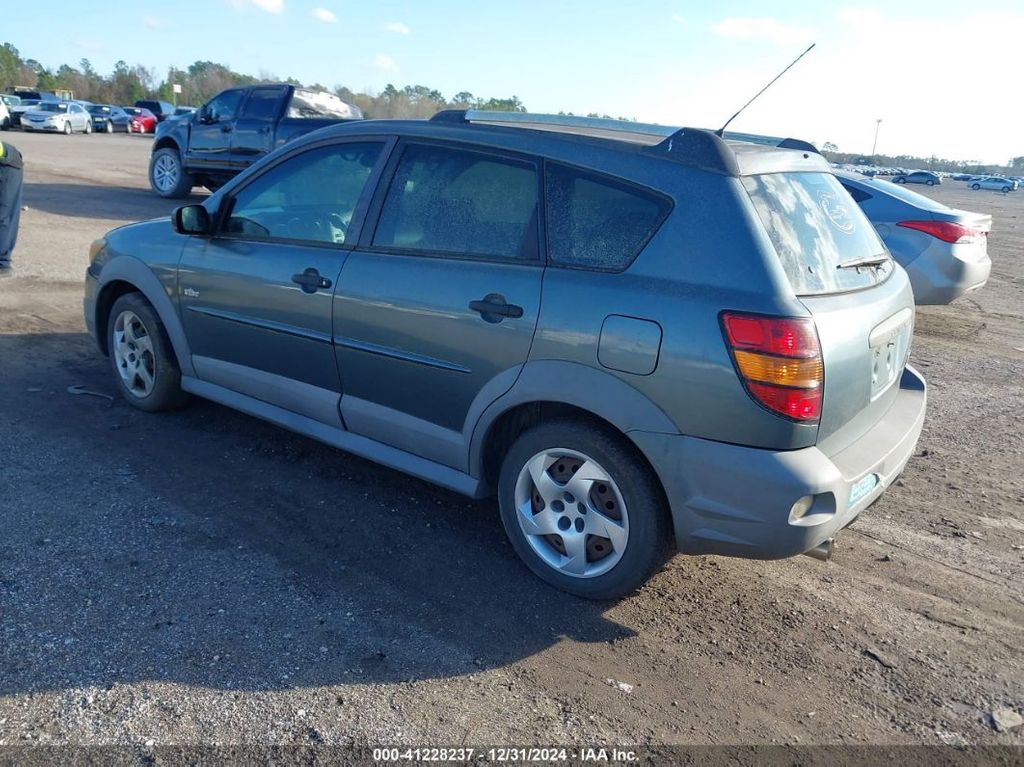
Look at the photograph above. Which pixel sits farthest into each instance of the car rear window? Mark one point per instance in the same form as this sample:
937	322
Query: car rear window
594	222
815	227
908	195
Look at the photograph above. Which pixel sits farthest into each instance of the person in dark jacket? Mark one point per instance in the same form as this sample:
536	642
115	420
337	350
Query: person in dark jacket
10	203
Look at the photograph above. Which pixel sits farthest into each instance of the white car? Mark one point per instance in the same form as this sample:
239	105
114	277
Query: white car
57	117
993	182
5	116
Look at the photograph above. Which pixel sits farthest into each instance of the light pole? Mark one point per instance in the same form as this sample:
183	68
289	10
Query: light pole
878	124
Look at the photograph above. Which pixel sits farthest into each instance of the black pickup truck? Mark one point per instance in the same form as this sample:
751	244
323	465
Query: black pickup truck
233	130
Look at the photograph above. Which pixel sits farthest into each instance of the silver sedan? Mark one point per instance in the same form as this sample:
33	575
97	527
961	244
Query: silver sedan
57	117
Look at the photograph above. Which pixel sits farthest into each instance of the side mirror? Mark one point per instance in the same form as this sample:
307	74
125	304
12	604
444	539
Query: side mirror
204	116
191	219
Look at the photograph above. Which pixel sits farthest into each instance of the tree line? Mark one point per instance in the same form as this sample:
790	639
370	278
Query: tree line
203	80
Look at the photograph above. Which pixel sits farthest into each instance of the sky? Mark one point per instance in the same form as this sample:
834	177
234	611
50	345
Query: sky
943	77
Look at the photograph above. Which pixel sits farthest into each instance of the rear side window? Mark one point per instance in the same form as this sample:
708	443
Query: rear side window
262	103
462	202
815	228
594	222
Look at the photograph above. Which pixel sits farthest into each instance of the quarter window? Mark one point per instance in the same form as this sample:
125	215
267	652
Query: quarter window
448	200
597	223
310	197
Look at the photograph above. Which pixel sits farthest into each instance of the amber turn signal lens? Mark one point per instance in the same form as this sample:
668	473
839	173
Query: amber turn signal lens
780	371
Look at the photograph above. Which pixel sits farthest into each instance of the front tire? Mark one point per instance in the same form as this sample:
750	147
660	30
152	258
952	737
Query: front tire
167	175
110	127
975	187
143	361
582	509
67	128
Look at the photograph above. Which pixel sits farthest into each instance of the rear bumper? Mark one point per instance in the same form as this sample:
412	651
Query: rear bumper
939	275
737	501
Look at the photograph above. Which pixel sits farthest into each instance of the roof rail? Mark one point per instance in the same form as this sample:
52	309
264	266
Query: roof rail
781	143
601	127
696	147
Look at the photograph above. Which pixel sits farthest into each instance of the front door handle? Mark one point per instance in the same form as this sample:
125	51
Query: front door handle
311	280
494	308
226	128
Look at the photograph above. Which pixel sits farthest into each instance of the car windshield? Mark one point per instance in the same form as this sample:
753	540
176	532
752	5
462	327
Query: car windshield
50	106
98	109
816	227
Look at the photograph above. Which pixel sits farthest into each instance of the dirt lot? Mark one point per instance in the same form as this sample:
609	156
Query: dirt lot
205	577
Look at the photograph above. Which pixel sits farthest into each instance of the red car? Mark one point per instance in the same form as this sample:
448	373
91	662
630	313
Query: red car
141	120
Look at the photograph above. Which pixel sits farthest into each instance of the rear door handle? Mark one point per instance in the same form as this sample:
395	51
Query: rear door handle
311	280
494	308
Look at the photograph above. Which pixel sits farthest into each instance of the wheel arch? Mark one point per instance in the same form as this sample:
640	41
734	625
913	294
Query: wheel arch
165	142
126	274
551	389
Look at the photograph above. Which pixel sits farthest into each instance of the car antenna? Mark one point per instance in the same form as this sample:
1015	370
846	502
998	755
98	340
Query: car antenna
721	130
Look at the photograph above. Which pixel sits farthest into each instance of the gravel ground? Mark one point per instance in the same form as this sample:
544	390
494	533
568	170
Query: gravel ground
202	577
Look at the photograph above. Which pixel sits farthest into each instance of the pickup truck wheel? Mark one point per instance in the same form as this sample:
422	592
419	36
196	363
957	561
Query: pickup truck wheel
145	367
582	509
167	176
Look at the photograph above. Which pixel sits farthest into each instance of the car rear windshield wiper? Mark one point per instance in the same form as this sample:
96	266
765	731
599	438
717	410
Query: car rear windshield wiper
857	263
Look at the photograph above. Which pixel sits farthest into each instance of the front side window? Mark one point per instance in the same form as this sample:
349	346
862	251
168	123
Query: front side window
224	107
595	222
449	200
310	197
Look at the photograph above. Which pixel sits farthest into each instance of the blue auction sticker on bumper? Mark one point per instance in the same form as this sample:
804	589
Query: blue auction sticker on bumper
861	488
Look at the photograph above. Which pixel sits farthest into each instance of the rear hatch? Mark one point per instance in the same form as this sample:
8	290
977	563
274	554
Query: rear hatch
861	302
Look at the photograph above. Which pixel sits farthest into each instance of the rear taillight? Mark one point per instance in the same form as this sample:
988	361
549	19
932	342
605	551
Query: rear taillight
779	361
947	231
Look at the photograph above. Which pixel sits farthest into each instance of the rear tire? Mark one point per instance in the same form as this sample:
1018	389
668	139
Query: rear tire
1006	189
141	355
899	180
582	509
88	127
929	182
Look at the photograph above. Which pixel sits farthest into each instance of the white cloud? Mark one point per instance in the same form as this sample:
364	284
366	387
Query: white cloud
235	5
324	15
270	6
768	29
678	18
398	28
384	63
155	22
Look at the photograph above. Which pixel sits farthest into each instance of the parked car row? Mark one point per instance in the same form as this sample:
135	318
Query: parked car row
74	116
